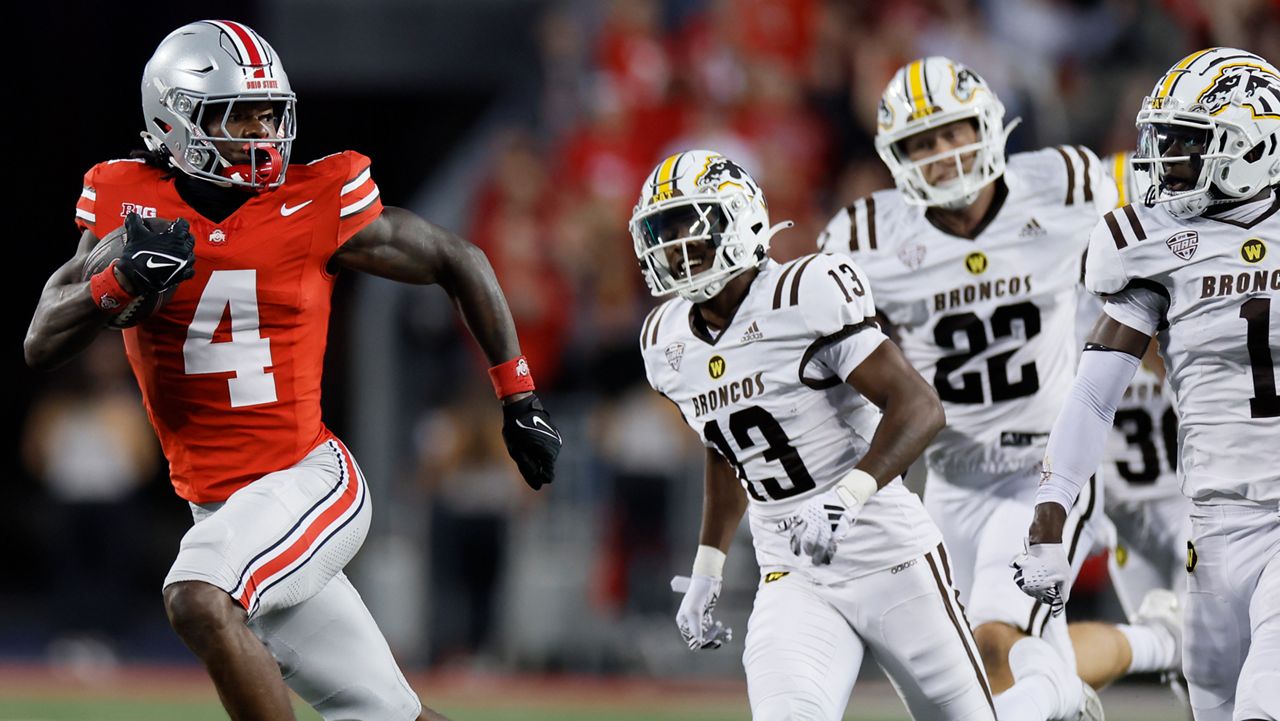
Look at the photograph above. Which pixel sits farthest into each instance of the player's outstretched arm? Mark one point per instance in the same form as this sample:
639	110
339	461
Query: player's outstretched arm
913	415
723	503
401	246
1111	357
1079	434
66	319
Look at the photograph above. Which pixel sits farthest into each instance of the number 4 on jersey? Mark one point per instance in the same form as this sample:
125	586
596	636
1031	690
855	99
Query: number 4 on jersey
247	354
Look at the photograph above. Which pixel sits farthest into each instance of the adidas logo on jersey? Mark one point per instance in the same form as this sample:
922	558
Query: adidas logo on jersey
1032	229
753	333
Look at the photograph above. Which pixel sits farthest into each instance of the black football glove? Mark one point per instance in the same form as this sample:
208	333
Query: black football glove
155	260
532	440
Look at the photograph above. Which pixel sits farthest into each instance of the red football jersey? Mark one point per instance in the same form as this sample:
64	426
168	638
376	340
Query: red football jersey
230	367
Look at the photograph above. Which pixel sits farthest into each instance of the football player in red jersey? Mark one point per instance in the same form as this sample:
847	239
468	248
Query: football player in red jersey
230	367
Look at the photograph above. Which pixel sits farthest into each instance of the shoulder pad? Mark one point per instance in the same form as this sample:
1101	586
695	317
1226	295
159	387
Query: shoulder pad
830	290
859	228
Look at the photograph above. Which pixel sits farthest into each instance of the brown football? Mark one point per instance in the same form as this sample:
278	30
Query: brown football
111	248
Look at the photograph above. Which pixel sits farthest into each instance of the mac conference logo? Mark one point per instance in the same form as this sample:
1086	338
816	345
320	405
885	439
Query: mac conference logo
715	366
1253	250
976	262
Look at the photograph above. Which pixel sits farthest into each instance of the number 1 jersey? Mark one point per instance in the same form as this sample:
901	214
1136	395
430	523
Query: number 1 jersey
769	395
1216	287
230	367
988	320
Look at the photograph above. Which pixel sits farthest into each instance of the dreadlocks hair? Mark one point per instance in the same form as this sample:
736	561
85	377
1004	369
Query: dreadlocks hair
158	158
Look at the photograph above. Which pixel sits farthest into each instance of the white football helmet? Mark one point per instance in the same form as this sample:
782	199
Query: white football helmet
195	76
929	93
699	196
1209	131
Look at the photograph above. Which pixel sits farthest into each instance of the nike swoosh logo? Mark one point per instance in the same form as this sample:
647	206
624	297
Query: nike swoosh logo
539	422
286	211
151	263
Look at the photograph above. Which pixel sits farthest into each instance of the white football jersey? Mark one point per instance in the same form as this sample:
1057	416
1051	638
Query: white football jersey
1219	336
769	394
990	321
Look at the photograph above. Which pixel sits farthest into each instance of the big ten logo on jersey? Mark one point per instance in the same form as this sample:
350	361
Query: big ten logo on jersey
716	366
143	211
728	394
1253	250
976	262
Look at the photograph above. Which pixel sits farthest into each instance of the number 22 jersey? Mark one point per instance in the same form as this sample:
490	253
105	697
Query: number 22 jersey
769	395
230	367
989	321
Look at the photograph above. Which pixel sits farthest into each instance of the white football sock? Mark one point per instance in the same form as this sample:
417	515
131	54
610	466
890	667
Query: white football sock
1153	648
1026	700
1044	688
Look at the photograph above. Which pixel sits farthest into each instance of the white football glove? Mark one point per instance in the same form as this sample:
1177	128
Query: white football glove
824	520
698	629
1042	572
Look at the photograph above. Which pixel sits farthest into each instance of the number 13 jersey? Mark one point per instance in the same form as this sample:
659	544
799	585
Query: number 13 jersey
769	395
989	321
230	367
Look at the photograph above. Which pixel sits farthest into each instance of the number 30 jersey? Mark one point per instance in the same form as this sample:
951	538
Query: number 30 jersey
990	320
230	367
769	395
1216	287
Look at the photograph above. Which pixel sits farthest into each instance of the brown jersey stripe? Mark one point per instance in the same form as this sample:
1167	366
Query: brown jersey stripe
871	223
853	226
782	280
644	331
795	283
657	321
1071	177
1114	227
955	622
1138	232
1088	181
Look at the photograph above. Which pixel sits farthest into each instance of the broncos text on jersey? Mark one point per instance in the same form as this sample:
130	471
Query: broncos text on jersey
1219	281
988	320
769	394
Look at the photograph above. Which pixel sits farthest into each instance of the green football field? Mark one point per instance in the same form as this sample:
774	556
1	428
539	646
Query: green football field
163	694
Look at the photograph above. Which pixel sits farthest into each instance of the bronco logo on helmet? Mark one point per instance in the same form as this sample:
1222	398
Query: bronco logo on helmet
1256	81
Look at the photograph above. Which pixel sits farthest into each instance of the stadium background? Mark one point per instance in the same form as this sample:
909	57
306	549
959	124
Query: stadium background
526	126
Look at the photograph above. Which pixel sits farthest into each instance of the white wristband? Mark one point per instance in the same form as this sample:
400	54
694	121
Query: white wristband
856	487
708	561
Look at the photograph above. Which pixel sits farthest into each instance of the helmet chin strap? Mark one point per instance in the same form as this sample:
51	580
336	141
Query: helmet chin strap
264	172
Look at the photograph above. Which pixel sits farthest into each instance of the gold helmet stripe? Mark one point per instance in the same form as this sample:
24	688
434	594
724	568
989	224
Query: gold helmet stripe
663	182
1176	71
919	95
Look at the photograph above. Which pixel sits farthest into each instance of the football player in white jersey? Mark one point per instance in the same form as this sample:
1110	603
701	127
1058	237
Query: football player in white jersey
1193	265
1143	499
976	264
778	369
